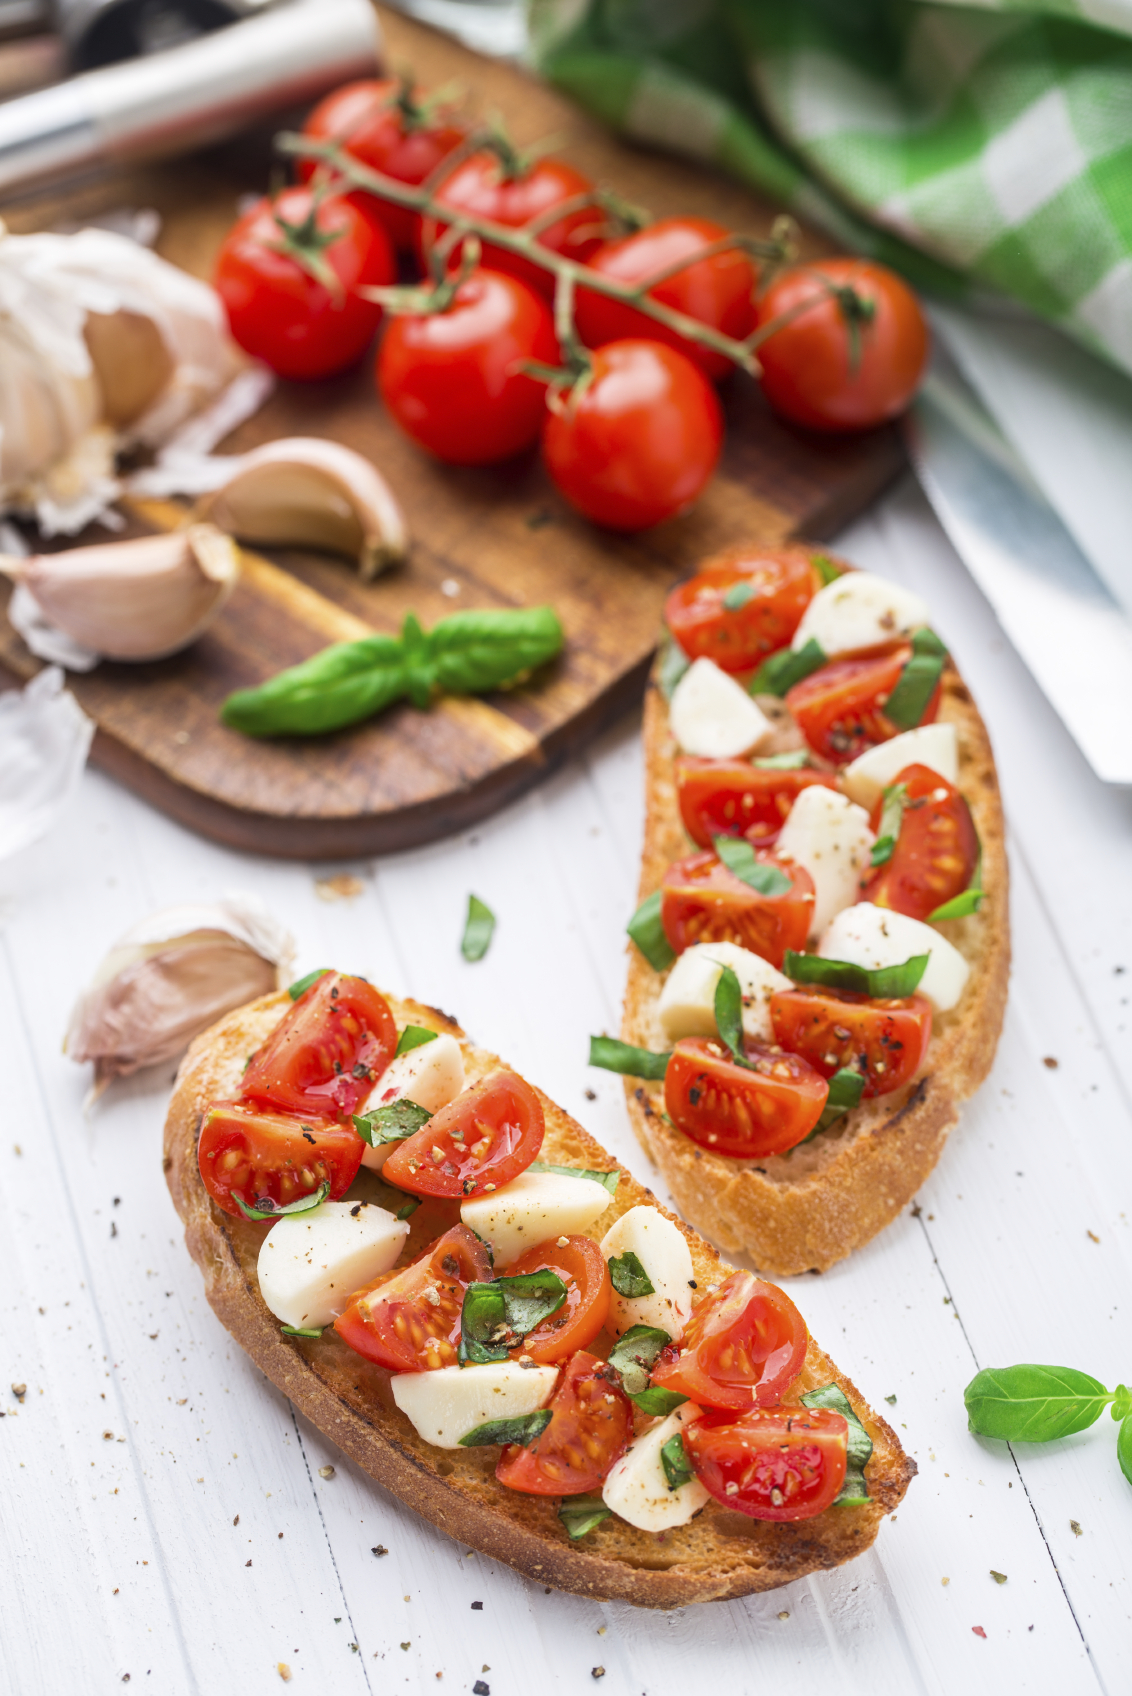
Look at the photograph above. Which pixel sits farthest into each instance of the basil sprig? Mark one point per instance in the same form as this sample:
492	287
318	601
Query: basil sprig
860	1444
479	927
614	1056
303	984
413	1036
739	857
796	760
629	1277
524	1428
392	1123
908	702
635	1353
265	1208
968	901
496	1316
882	983
647	932
1036	1404
893	801
789	666
672	663
609	1180
580	1514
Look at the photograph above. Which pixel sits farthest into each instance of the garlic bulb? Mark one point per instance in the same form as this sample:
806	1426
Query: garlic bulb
170	977
306	491
137	600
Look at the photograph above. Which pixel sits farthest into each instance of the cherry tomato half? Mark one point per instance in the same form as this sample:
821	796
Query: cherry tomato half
590	1427
743	1347
478	1143
582	1267
743	1112
886	1041
735	798
840	708
326	1055
394	1323
702	900
936	852
779	1463
508	191
768	591
248	1152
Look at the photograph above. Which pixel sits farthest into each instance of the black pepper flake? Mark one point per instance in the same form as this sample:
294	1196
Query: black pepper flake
477	1607
379	1550
236	1521
247	1563
479	1688
114	1233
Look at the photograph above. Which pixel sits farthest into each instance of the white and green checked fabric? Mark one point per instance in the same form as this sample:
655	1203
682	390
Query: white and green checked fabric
985	147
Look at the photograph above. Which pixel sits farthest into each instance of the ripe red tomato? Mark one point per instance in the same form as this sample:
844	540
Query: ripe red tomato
780	1463
452	379
248	1152
718	291
590	1427
772	589
508	191
324	1057
478	1143
840	708
886	1041
936	851
386	126
735	798
638	443
702	900
278	310
394	1323
742	1348
746	1114
582	1267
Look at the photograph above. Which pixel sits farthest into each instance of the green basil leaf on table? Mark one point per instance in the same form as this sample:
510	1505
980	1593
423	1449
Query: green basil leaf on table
414	1036
472	652
479	926
893	801
883	983
614	1056
860	1444
673	662
392	1123
524	1428
782	670
674	1460
580	1514
609	1180
1033	1404
302	1330
634	1355
908	702
304	1204
657	1402
739	857
1124	1446
796	760
729	1014
629	1277
301	986
496	1316
647	932
342	684
968	901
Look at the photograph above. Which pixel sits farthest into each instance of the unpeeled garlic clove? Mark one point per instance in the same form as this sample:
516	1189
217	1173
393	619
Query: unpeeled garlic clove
306	491
137	600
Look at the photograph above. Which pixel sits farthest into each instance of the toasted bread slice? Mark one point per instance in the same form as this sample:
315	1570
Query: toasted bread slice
718	1554
811	1207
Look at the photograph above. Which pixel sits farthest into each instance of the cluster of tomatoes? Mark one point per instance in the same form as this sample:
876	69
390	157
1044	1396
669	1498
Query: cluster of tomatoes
632	431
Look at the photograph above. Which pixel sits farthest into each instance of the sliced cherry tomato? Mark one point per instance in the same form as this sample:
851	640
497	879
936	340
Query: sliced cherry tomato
851	358
779	1463
840	708
249	1152
452	379
478	1143
501	186
639	442
327	1054
718	291
590	1427
886	1041
702	900
742	1348
936	852
770	589
409	1321
735	798
582	1267
743	1112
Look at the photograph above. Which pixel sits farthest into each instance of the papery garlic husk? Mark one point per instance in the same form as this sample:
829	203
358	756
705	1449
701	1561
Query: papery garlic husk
170	977
304	491
44	740
136	600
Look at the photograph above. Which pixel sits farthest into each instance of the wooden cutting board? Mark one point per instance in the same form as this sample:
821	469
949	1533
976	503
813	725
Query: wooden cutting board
483	538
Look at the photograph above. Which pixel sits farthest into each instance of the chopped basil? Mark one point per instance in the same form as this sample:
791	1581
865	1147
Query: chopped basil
302	1330
525	1428
629	1277
614	1056
609	1179
739	857
409	1208
414	1036
303	984
795	760
845	1089
729	1014
1035	1404
737	597
674	1459
893	801
969	901
265	1208
916	685
647	932
860	1444
580	1514
782	670
880	982
392	1123
634	1356
672	664
478	928
498	1315
827	569
656	1401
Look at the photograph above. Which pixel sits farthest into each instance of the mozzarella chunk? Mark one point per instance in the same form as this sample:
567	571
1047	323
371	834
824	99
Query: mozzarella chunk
636	1487
687	1001
664	1254
532	1208
445	1405
431	1075
873	936
310	1264
933	745
714	716
830	836
859	610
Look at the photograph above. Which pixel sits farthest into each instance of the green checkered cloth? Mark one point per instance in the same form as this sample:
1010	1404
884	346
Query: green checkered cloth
975	149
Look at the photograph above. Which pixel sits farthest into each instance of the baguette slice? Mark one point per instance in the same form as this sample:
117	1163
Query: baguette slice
718	1554
811	1207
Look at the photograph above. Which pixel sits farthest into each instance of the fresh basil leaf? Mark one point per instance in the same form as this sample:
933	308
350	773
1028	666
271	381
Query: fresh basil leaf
265	1208
1033	1404
609	1179
647	932
782	670
916	685
496	1316
342	684
738	596
925	641
660	1403
525	1428
301	987
409	1208
1121	1403
845	1090
674	1460
673	662
1124	1446
883	983
796	760
827	569
739	857
302	1330
614	1056
392	1123
413	1036
471	652
580	1514
729	1014
969	901
478	929
629	1277
634	1356
859	1443
893	801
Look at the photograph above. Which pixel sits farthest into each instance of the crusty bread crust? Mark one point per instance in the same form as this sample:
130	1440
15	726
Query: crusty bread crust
718	1554
811	1207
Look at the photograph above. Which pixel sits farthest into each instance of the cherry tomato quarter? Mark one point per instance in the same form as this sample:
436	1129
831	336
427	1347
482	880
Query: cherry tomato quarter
840	708
252	1152
742	1348
936	851
735	798
777	1463
591	1423
746	1112
478	1143
582	1267
742	605
325	1056
702	900
885	1041
409	1321
509	191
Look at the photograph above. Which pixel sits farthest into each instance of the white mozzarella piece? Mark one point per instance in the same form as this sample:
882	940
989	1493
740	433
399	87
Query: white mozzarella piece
829	835
713	716
533	1207
873	936
636	1487
445	1405
664	1254
431	1075
310	1264
933	745
859	610
687	1001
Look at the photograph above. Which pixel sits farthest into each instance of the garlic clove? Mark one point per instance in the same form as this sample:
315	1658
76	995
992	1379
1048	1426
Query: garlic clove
306	491
137	600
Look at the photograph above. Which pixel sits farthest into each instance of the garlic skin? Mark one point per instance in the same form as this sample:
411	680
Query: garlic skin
137	600
304	491
45	737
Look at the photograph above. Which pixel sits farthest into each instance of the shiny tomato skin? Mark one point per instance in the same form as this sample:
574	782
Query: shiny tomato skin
590	1427
777	1463
582	1267
744	1114
717	291
840	708
478	1143
936	852
326	1054
451	380
886	1041
638	443
702	900
277	311
482	186
808	369
784	582
735	798
742	1348
251	1151
393	1324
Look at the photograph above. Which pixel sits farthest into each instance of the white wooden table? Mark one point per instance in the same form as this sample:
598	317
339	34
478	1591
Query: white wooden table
165	1518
